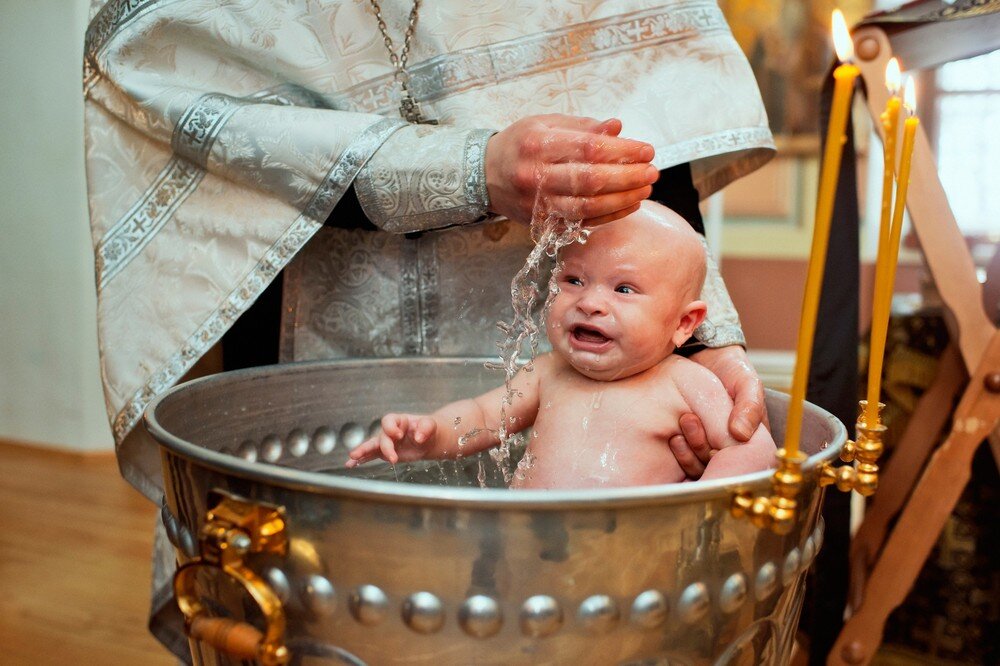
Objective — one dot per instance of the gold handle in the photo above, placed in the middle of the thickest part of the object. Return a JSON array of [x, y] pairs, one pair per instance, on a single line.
[[235, 528]]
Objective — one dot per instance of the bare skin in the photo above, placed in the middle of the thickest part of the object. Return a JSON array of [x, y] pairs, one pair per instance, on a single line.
[[581, 168], [576, 167], [607, 402]]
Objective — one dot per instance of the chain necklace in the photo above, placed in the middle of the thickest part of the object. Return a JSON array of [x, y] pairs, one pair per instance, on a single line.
[[409, 108]]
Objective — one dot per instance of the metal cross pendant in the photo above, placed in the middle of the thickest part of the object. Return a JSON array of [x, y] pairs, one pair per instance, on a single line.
[[409, 108]]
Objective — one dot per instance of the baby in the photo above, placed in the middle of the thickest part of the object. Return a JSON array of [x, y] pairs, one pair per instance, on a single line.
[[605, 402]]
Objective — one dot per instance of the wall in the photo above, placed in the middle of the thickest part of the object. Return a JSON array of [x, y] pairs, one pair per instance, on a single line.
[[767, 236], [50, 389]]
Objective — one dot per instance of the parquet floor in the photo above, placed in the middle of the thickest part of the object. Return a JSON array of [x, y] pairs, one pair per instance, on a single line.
[[74, 562]]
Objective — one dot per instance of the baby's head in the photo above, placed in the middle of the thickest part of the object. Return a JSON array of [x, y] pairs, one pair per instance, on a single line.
[[628, 296]]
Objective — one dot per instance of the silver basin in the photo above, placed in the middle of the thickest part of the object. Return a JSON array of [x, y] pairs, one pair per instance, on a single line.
[[433, 569]]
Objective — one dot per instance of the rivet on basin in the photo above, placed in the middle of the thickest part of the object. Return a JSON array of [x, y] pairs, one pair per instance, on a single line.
[[423, 612], [321, 598], [186, 541], [368, 604], [598, 613], [767, 581], [649, 610], [324, 440], [169, 524], [480, 616], [791, 568], [541, 615], [248, 451], [693, 603], [278, 581], [808, 553], [298, 443], [733, 593], [270, 448], [352, 434]]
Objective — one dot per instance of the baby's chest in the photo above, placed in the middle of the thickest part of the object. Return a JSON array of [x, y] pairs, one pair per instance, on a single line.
[[568, 412]]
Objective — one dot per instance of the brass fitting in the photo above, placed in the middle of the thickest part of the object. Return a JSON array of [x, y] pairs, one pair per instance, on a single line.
[[865, 452], [776, 512], [234, 529]]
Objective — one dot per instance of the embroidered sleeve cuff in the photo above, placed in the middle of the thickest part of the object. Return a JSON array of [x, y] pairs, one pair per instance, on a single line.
[[721, 327], [426, 177]]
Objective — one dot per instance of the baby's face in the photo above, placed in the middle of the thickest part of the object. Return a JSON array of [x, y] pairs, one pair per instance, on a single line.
[[621, 298]]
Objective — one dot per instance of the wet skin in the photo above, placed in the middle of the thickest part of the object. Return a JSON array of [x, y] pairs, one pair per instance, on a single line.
[[608, 398]]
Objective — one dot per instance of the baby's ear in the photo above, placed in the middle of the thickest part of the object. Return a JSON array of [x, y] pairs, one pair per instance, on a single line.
[[691, 317]]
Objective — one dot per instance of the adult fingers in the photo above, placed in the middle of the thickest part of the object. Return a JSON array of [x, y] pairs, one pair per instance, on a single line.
[[591, 148], [611, 217], [609, 127], [697, 439], [685, 457], [590, 179], [748, 411], [585, 208]]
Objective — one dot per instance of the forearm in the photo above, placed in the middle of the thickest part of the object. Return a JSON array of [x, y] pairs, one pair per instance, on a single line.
[[742, 458], [462, 430]]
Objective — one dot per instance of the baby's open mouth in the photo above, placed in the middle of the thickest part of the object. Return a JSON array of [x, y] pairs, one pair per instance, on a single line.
[[589, 335]]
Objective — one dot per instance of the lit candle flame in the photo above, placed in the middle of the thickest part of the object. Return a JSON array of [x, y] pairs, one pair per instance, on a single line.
[[892, 76], [910, 96], [842, 42]]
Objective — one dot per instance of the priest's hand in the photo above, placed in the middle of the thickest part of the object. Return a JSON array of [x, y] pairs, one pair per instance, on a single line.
[[575, 167], [731, 365]]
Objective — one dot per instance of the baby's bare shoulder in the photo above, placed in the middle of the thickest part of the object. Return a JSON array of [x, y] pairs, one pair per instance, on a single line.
[[679, 367], [694, 379]]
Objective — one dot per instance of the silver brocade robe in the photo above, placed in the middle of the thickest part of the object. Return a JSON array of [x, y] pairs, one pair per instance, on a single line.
[[221, 134]]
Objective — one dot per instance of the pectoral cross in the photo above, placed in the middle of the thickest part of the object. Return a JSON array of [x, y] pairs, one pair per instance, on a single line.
[[409, 108]]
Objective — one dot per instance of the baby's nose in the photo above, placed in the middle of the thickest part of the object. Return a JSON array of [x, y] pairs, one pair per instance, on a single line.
[[592, 302]]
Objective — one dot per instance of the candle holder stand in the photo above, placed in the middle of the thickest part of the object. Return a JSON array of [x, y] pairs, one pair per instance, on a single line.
[[920, 496]]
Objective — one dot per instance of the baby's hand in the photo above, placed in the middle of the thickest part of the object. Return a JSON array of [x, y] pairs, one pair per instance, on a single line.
[[404, 437]]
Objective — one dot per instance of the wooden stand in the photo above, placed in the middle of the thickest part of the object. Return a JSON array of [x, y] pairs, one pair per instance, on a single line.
[[881, 580]]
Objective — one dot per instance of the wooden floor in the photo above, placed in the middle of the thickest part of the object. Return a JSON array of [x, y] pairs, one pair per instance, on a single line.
[[75, 542]]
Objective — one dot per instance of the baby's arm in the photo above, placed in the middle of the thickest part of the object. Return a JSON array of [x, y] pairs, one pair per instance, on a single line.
[[460, 428], [708, 399]]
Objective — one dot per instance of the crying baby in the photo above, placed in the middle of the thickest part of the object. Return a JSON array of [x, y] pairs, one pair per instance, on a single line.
[[604, 403]]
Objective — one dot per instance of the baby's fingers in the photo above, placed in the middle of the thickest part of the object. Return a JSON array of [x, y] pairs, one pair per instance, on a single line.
[[424, 429], [388, 448], [364, 452], [395, 425]]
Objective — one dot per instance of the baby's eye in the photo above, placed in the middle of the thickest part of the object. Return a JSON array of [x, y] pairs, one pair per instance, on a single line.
[[572, 279], [625, 289]]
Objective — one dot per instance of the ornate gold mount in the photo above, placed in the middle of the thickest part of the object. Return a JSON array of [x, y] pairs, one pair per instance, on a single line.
[[864, 453], [235, 528], [777, 512]]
